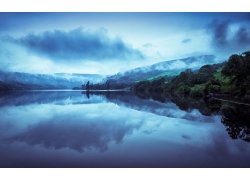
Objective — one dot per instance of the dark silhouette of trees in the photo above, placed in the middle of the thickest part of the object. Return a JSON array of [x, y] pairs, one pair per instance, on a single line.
[[237, 122], [87, 86], [156, 85], [108, 85], [87, 94]]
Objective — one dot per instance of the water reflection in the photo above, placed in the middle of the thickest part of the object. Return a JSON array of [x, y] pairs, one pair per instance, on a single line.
[[65, 131], [163, 105], [237, 122], [235, 117], [87, 93], [22, 98], [119, 129]]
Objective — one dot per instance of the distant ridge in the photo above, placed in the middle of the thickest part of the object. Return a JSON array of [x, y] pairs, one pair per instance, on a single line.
[[23, 81], [26, 81]]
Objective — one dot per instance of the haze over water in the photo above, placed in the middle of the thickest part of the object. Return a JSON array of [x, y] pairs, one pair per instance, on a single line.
[[118, 129]]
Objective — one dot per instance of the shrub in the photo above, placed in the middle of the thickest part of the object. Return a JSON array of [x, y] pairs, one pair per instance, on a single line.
[[197, 91], [184, 89], [214, 88]]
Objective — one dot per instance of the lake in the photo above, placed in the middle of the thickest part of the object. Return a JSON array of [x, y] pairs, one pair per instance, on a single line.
[[119, 129]]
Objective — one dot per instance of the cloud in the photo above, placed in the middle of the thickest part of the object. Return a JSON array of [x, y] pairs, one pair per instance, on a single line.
[[230, 36], [77, 44], [186, 137], [186, 40], [147, 45], [147, 132], [219, 30], [243, 36]]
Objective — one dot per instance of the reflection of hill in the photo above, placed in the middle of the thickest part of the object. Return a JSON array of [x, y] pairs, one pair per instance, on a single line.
[[156, 104], [186, 103], [20, 98], [234, 117]]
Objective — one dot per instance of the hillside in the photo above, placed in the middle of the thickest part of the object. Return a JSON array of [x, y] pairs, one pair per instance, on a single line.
[[230, 77], [166, 68]]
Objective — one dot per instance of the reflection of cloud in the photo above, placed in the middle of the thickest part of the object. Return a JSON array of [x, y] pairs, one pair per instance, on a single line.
[[186, 137], [77, 44], [147, 45], [195, 115], [218, 148], [223, 148], [22, 98], [186, 40], [147, 132], [75, 134], [168, 109]]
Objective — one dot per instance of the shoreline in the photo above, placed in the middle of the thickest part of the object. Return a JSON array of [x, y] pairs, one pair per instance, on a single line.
[[245, 100]]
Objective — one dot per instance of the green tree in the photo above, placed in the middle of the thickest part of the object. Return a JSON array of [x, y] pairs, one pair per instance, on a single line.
[[238, 69]]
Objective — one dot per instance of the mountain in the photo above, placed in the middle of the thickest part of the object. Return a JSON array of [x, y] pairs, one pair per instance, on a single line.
[[166, 68], [19, 81]]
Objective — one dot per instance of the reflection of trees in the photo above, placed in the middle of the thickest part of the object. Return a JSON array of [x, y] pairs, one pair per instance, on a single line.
[[158, 97], [107, 94], [142, 95], [213, 105], [235, 117], [237, 122], [187, 103], [181, 101], [184, 102], [87, 94], [112, 94]]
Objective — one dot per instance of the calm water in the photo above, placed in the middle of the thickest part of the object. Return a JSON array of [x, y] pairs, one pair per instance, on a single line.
[[119, 129]]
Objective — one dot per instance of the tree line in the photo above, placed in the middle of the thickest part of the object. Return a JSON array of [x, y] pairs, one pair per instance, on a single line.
[[229, 77]]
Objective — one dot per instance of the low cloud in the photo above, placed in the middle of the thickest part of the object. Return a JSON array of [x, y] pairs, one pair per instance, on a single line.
[[186, 137], [147, 45], [77, 44], [186, 40]]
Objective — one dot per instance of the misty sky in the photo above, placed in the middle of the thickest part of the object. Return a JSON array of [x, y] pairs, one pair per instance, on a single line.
[[106, 43]]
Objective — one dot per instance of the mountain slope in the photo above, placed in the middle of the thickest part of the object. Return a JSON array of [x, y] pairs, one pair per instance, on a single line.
[[168, 67]]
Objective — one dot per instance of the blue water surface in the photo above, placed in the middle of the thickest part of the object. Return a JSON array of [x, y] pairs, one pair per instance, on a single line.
[[114, 129]]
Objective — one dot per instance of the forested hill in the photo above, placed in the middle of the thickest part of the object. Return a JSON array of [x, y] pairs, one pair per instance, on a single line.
[[169, 68], [230, 77]]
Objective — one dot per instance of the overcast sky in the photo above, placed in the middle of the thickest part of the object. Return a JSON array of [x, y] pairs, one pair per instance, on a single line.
[[106, 43]]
